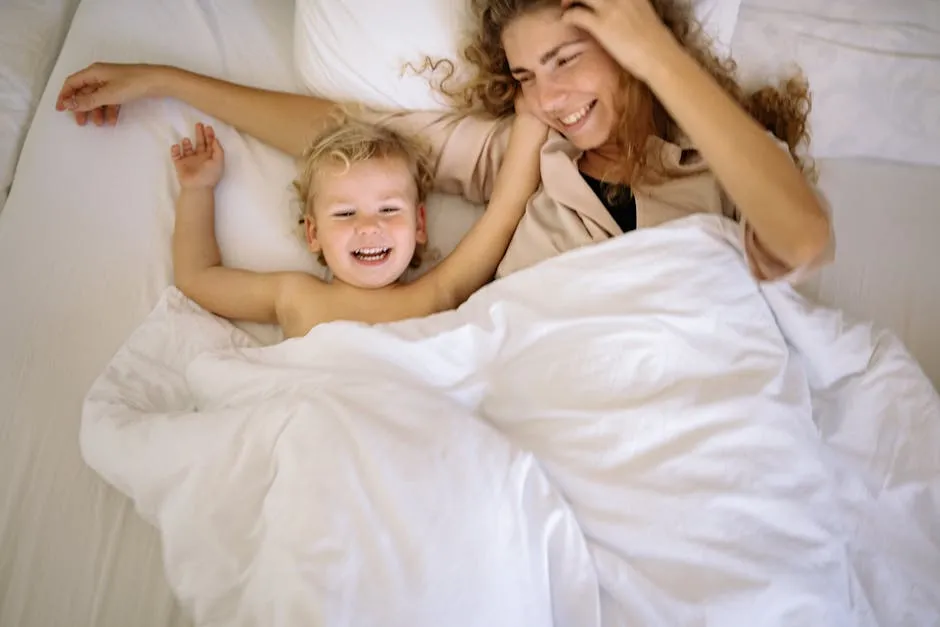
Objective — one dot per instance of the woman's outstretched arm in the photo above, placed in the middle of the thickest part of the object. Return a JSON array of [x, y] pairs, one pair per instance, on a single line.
[[284, 120], [467, 151]]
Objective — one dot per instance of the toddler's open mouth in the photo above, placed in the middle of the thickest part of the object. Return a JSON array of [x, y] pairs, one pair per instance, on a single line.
[[371, 256]]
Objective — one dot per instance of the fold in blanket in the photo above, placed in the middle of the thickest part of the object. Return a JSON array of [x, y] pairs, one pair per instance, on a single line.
[[632, 433]]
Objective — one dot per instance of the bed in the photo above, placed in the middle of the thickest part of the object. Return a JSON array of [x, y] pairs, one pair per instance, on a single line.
[[875, 142], [30, 37], [84, 260]]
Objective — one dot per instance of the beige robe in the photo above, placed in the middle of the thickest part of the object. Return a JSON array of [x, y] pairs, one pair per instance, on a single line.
[[564, 213]]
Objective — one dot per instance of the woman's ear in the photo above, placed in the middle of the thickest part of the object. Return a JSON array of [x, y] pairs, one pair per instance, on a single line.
[[421, 231], [310, 231]]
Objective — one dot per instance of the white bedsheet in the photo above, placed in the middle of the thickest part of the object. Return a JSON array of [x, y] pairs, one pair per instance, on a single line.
[[31, 33], [707, 453]]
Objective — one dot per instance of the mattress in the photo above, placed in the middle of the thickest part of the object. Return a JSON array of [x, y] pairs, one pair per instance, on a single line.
[[31, 34], [84, 256], [886, 217]]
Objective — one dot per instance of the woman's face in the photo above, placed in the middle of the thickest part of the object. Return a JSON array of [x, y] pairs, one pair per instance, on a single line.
[[567, 78]]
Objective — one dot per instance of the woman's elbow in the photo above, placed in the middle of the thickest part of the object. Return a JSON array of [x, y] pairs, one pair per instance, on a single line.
[[188, 284], [813, 245]]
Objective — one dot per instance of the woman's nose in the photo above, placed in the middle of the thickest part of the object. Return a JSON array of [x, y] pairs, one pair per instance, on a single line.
[[551, 97]]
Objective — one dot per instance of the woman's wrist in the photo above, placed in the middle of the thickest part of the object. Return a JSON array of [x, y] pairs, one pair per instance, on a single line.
[[162, 81], [663, 53], [528, 123], [529, 129], [667, 59]]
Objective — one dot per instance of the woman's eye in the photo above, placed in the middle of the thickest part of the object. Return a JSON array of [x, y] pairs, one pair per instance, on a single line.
[[567, 60]]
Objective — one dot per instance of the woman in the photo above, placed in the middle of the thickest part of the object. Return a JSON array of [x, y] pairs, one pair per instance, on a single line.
[[629, 86]]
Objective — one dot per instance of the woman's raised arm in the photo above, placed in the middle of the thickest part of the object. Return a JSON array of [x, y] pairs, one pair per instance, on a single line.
[[761, 180]]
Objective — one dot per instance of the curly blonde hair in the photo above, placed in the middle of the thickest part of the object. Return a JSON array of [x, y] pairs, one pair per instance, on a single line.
[[349, 141], [490, 87]]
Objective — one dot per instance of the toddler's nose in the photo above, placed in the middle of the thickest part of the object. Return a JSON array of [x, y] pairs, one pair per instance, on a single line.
[[367, 224]]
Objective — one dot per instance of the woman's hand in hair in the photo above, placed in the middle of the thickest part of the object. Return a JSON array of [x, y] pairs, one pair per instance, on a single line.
[[630, 31]]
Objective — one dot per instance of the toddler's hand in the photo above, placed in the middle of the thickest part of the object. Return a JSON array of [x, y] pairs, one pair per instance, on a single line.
[[199, 166]]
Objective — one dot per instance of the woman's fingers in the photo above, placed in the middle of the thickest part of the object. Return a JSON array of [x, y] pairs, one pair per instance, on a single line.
[[111, 115], [581, 17], [75, 83]]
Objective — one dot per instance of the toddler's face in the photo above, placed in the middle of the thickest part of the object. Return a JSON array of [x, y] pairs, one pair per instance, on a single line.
[[366, 221]]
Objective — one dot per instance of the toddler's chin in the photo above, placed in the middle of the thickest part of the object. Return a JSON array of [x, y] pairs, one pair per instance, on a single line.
[[367, 282]]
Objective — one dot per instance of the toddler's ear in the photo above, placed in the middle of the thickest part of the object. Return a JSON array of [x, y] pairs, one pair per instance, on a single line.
[[310, 231], [421, 234]]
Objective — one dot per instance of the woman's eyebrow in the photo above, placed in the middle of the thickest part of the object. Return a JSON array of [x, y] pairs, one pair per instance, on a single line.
[[551, 54]]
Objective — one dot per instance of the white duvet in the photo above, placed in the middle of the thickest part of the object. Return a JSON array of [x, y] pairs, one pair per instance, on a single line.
[[634, 433]]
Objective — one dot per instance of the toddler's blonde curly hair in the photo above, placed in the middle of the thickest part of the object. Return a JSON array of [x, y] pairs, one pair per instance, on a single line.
[[350, 140]]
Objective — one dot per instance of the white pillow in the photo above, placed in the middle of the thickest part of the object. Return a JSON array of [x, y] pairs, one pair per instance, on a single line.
[[354, 50], [873, 67]]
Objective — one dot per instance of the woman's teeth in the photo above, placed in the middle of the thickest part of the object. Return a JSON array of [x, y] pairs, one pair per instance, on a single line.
[[577, 116], [371, 254]]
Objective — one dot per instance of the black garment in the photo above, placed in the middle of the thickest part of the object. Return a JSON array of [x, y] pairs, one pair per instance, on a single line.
[[623, 207]]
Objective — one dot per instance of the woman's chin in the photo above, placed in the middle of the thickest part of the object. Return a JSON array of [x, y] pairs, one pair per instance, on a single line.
[[587, 141], [587, 138]]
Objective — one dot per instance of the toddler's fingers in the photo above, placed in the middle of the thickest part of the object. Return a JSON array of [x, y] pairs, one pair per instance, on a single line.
[[187, 146], [175, 151], [200, 135], [217, 151]]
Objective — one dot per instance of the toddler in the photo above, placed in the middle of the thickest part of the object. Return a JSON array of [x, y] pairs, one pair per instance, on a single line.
[[363, 188]]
